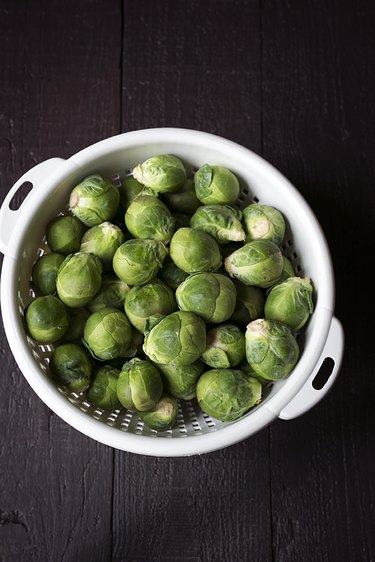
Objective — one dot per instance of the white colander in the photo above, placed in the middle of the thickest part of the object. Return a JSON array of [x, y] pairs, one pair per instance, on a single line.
[[22, 241]]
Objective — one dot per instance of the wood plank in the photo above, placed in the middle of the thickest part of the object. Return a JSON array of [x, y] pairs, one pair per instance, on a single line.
[[318, 114], [59, 92], [208, 507], [193, 65], [182, 68]]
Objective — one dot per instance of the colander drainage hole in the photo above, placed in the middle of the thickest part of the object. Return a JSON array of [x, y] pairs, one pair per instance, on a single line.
[[323, 374]]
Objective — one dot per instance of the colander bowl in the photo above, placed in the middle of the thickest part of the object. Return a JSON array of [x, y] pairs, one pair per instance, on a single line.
[[22, 240]]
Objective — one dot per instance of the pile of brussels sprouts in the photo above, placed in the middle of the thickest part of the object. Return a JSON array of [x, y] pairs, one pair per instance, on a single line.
[[161, 289]]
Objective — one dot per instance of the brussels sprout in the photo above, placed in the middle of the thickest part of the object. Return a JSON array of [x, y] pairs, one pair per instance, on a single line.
[[181, 380], [259, 263], [129, 190], [179, 337], [94, 200], [249, 304], [44, 272], [210, 295], [135, 349], [137, 343], [171, 274], [287, 271], [182, 220], [249, 372], [215, 185], [103, 388], [225, 347], [139, 386], [163, 415], [102, 241], [112, 293], [79, 279], [226, 394], [146, 304], [47, 319], [221, 221], [77, 323], [290, 302], [64, 234], [271, 349], [264, 222], [147, 217], [70, 367], [108, 334], [161, 173], [184, 199], [194, 250], [230, 247], [138, 261]]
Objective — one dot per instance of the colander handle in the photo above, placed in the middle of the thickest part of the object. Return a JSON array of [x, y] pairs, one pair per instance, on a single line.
[[9, 217], [316, 387]]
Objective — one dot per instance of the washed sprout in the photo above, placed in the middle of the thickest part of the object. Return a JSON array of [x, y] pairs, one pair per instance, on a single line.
[[290, 302], [258, 263], [271, 349]]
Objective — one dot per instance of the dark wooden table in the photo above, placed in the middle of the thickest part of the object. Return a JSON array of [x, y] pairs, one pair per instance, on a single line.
[[293, 81]]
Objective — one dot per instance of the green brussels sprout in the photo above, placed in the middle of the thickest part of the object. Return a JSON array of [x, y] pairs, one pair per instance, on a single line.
[[139, 385], [163, 415], [221, 221], [70, 367], [103, 388], [108, 334], [138, 261], [79, 279], [94, 200], [225, 347], [102, 241], [64, 234], [146, 304], [264, 222], [47, 319], [172, 275], [230, 247], [161, 173], [215, 185], [179, 338], [249, 304], [44, 273], [112, 293], [77, 323], [129, 190], [290, 302], [287, 271], [137, 342], [210, 295], [181, 380], [258, 263], [271, 349], [249, 372], [194, 250], [147, 217], [135, 349], [226, 394], [182, 220], [184, 199]]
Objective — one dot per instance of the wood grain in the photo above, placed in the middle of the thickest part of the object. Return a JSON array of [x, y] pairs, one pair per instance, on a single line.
[[293, 81], [60, 92], [318, 101]]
